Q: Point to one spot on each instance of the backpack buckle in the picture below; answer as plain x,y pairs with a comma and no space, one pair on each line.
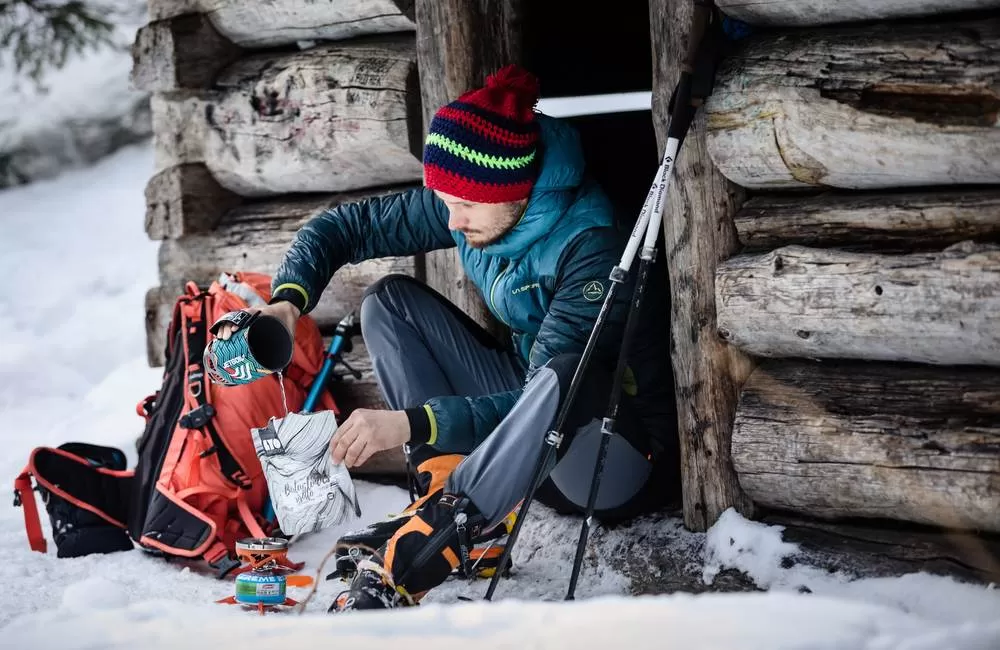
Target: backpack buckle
224,565
197,418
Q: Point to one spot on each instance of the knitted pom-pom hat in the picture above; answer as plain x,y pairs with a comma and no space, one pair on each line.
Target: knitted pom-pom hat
482,146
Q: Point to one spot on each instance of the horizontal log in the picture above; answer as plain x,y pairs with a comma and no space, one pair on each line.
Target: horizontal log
889,548
269,24
936,308
330,119
187,200
820,12
181,52
884,105
254,237
854,439
861,221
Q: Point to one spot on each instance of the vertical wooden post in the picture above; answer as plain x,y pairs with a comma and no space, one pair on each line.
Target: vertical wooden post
699,233
459,43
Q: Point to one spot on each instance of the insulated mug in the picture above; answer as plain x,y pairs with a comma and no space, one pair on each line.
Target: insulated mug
261,345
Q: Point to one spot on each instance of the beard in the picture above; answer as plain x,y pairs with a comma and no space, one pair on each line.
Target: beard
482,238
496,231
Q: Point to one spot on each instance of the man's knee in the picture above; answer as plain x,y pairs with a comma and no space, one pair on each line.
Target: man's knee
381,299
390,284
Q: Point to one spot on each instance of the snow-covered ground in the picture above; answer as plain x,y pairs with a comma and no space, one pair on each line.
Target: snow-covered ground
76,262
77,114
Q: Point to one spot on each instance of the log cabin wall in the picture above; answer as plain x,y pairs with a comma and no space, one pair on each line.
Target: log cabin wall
267,113
834,247
831,233
264,115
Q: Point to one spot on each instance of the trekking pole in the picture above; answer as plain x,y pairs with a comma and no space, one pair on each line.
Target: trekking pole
645,231
554,437
608,423
684,105
552,441
646,259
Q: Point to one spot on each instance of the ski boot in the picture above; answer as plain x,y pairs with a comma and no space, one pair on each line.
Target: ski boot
371,588
425,485
360,545
354,548
428,480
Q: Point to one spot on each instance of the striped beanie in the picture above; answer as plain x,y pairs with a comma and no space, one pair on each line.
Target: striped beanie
482,147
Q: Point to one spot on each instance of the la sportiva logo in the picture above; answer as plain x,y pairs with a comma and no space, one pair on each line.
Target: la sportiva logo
593,291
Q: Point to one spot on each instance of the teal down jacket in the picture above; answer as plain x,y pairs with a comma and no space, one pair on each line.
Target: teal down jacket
546,280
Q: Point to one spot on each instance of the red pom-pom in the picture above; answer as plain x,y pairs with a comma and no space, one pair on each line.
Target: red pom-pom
517,79
511,91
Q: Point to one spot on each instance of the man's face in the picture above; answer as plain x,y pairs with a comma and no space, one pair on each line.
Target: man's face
481,223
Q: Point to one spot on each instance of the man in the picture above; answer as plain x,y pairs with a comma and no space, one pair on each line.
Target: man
506,186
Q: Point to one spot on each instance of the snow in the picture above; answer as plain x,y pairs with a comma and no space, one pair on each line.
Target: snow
76,264
759,551
79,112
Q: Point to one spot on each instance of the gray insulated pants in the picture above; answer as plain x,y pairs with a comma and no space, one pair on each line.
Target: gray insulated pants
422,346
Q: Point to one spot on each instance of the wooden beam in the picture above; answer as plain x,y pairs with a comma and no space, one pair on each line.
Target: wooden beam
185,200
258,25
330,119
860,221
699,234
936,308
181,52
818,12
255,236
890,548
459,43
878,106
854,439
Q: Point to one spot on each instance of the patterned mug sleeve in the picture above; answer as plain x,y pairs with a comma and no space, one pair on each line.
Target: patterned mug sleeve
260,346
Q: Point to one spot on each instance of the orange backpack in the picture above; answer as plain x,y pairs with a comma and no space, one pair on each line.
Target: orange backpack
198,485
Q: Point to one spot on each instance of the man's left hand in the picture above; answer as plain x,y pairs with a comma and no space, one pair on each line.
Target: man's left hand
366,432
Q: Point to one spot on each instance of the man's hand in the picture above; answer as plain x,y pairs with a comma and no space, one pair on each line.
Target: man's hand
366,432
284,311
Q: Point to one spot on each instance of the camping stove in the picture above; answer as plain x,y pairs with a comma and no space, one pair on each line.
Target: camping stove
263,581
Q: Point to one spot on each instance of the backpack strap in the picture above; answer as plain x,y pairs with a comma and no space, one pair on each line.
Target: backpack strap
76,479
201,414
24,496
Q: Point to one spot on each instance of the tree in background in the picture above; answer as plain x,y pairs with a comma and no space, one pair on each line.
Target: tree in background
42,34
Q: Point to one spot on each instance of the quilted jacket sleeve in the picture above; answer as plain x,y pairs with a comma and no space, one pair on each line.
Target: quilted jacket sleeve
407,223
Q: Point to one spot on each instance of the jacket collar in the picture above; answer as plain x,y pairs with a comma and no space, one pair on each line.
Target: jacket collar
560,175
